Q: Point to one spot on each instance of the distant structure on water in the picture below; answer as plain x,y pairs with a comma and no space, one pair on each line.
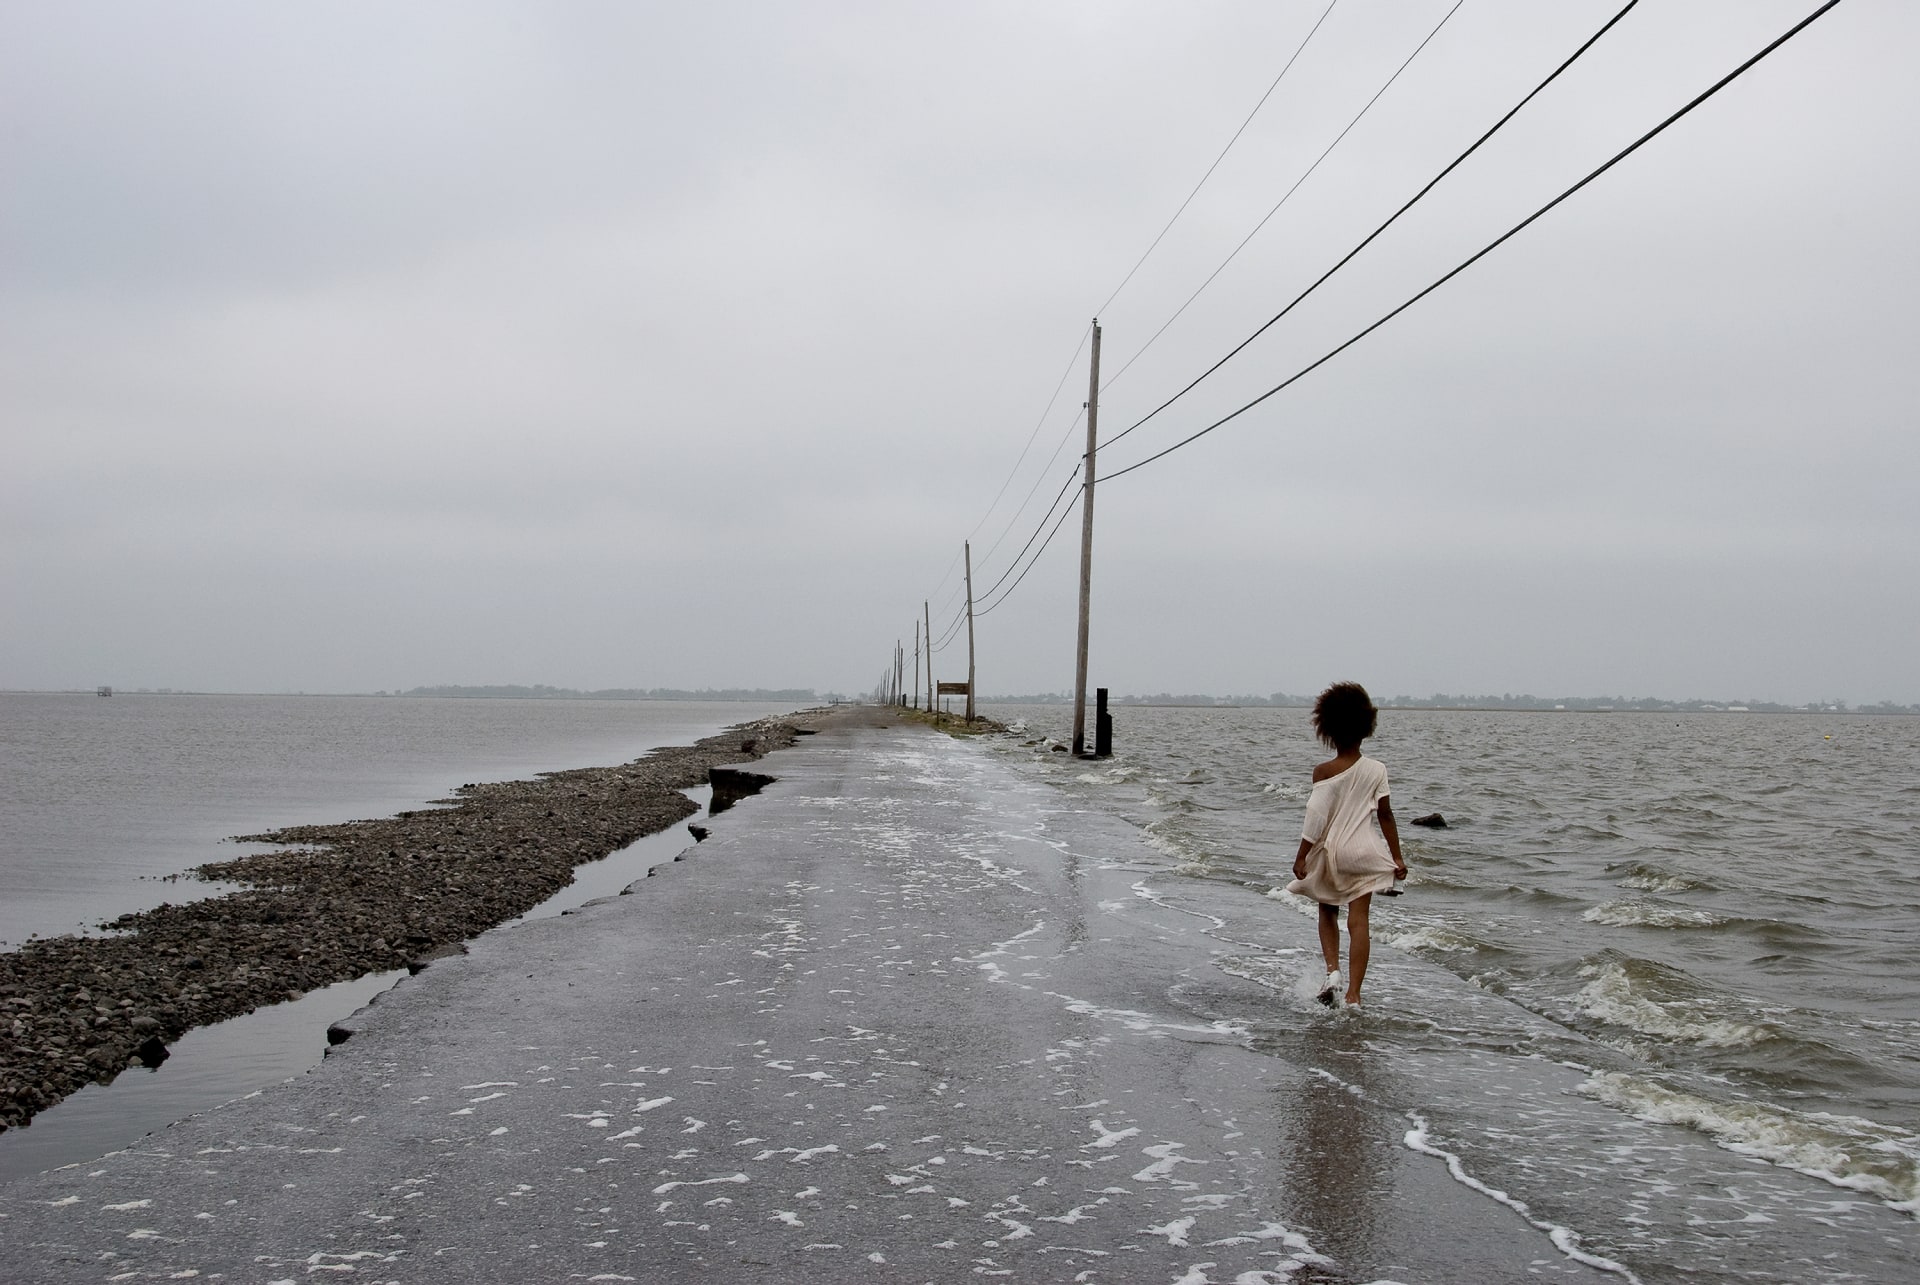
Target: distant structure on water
103,690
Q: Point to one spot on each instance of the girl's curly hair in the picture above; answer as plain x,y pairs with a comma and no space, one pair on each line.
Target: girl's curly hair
1344,716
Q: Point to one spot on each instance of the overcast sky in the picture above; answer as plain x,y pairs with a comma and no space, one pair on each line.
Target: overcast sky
359,346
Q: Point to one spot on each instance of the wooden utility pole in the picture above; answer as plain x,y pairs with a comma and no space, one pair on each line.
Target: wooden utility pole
969,548
916,664
1086,553
926,612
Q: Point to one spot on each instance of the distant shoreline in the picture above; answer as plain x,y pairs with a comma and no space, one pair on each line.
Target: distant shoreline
1486,705
809,697
801,696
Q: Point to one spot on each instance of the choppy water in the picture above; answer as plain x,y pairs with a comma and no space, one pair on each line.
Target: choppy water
1704,923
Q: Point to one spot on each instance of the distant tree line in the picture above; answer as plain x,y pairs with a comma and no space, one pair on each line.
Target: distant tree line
541,691
1157,698
1442,700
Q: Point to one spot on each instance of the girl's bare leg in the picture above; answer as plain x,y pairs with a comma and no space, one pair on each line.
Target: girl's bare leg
1330,935
1359,945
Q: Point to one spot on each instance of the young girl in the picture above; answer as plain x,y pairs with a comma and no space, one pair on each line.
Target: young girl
1344,859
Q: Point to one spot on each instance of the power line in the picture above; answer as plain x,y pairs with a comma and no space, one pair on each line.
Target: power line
1431,184
1038,478
947,630
1283,200
1216,162
1504,237
1071,363
1071,479
947,638
978,610
1015,516
1034,561
1075,359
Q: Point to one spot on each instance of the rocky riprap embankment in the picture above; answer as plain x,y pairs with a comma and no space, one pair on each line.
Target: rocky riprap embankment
349,899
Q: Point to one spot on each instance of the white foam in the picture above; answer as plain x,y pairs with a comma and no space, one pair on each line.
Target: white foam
1847,1151
1650,914
1564,1239
1165,1158
1436,937
1175,1231
1610,998
1653,881
665,1187
1108,1137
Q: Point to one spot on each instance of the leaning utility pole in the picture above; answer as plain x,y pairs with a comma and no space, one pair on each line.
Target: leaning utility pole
969,548
926,612
1086,554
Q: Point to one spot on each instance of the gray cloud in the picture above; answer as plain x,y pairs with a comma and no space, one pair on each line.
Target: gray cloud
672,345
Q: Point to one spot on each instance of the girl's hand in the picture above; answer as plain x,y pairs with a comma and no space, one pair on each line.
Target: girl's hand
1299,867
1399,871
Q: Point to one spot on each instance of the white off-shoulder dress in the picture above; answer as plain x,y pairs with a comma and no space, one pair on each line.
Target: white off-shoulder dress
1349,857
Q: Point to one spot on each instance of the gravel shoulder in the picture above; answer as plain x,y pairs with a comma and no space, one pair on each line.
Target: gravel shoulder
326,903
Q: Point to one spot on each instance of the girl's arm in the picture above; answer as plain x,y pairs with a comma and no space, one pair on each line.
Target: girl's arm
1300,859
1392,833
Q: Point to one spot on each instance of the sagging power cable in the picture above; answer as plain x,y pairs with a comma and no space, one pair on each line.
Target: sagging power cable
1031,563
1348,257
1504,237
1216,162
1072,478
978,610
1288,195
1038,478
1074,361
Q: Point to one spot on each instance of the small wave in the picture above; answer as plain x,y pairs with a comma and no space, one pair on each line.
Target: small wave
1650,914
1645,878
1580,830
1165,802
1610,998
1565,1239
1847,1151
1305,905
1112,776
1435,937
1172,846
1517,892
1286,970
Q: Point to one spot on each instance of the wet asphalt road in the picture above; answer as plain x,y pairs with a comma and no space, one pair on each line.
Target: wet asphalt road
902,1018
